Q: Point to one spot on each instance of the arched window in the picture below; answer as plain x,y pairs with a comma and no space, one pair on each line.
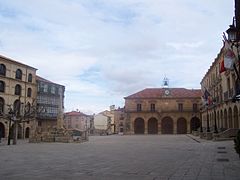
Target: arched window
29,77
29,92
16,107
2,86
1,105
18,90
28,108
19,74
2,70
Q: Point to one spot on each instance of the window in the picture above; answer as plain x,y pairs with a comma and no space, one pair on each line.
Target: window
195,107
180,107
152,107
18,90
29,77
139,107
45,88
2,70
16,107
1,106
19,74
27,108
53,90
56,91
29,92
2,86
39,123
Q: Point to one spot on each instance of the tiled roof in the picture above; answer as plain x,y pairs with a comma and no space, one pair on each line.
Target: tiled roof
159,93
75,113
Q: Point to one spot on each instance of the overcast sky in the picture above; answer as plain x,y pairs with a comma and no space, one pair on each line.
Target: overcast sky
104,50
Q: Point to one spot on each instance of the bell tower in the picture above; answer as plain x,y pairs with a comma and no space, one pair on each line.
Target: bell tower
165,82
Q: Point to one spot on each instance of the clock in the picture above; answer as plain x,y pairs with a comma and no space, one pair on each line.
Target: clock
167,92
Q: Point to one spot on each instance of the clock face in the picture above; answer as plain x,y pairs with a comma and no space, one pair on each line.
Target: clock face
167,92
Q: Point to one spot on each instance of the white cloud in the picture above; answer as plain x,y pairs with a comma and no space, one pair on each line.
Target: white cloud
105,50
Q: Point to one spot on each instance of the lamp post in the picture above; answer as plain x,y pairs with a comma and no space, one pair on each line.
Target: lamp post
11,113
201,129
208,129
215,119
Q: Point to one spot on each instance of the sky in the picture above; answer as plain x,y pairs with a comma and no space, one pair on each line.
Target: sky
105,50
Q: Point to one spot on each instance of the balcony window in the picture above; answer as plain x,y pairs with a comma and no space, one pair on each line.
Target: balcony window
152,108
2,70
1,106
29,77
180,107
17,107
29,92
53,90
19,74
139,107
195,107
18,89
2,86
45,89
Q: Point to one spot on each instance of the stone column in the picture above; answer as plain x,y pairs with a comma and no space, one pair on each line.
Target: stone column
174,126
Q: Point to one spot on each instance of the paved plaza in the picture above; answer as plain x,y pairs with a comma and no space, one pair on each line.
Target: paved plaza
122,157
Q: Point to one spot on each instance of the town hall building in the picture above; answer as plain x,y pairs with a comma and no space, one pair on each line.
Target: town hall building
162,111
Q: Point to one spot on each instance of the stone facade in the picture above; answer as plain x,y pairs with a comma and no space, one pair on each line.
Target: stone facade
162,111
222,87
119,115
17,91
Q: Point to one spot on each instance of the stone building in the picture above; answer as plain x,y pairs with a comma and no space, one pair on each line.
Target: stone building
79,121
162,111
222,85
50,104
18,92
119,116
102,124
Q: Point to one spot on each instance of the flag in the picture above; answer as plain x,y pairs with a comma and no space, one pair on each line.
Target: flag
210,100
222,68
207,97
228,54
206,94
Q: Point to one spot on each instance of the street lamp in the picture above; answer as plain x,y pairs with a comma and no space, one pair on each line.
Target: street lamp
232,32
215,118
201,128
11,114
208,129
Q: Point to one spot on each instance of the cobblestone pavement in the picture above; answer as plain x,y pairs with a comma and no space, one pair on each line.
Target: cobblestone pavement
159,157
